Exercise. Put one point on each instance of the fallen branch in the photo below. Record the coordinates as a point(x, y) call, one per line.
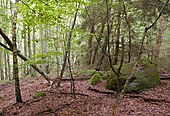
point(75, 94)
point(146, 99)
point(165, 78)
point(77, 79)
point(50, 110)
point(98, 91)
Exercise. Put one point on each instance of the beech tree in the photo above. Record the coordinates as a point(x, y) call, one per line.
point(15, 59)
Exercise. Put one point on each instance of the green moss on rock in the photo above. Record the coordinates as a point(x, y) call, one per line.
point(95, 78)
point(146, 76)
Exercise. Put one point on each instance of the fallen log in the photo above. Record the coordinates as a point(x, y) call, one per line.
point(165, 78)
point(103, 92)
point(148, 99)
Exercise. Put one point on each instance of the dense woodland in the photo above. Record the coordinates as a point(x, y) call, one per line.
point(54, 39)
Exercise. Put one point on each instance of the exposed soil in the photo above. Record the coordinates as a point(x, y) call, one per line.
point(90, 100)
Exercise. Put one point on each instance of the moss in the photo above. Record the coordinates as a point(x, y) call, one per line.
point(95, 79)
point(146, 76)
point(111, 82)
point(39, 94)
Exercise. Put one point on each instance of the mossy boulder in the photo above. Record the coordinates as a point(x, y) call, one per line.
point(97, 77)
point(146, 76)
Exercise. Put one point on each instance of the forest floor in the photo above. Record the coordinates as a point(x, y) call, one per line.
point(90, 100)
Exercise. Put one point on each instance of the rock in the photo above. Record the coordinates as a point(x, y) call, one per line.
point(95, 78)
point(146, 76)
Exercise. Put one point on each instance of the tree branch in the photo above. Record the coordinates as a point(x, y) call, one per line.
point(21, 56)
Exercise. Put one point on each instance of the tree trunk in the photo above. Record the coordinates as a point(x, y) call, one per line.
point(15, 60)
point(90, 41)
point(1, 67)
point(159, 38)
point(44, 48)
point(99, 40)
point(25, 47)
point(117, 38)
point(29, 47)
point(9, 66)
point(34, 47)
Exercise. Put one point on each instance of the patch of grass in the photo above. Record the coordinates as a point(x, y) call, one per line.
point(39, 94)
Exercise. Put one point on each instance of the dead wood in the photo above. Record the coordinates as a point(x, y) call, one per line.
point(50, 110)
point(148, 99)
point(98, 91)
point(165, 78)
point(75, 94)
point(78, 79)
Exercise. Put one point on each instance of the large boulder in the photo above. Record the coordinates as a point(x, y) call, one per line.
point(146, 76)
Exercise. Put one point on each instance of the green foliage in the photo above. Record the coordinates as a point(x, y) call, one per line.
point(87, 72)
point(39, 94)
point(95, 78)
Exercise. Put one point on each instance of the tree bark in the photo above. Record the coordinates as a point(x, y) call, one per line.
point(90, 47)
point(15, 60)
point(117, 37)
point(29, 47)
point(34, 46)
point(25, 47)
point(99, 40)
point(159, 38)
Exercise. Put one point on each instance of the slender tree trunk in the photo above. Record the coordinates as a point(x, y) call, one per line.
point(117, 37)
point(25, 47)
point(159, 38)
point(1, 67)
point(128, 22)
point(104, 47)
point(29, 47)
point(67, 56)
point(15, 60)
point(34, 47)
point(99, 40)
point(90, 41)
point(9, 67)
point(5, 59)
point(44, 48)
